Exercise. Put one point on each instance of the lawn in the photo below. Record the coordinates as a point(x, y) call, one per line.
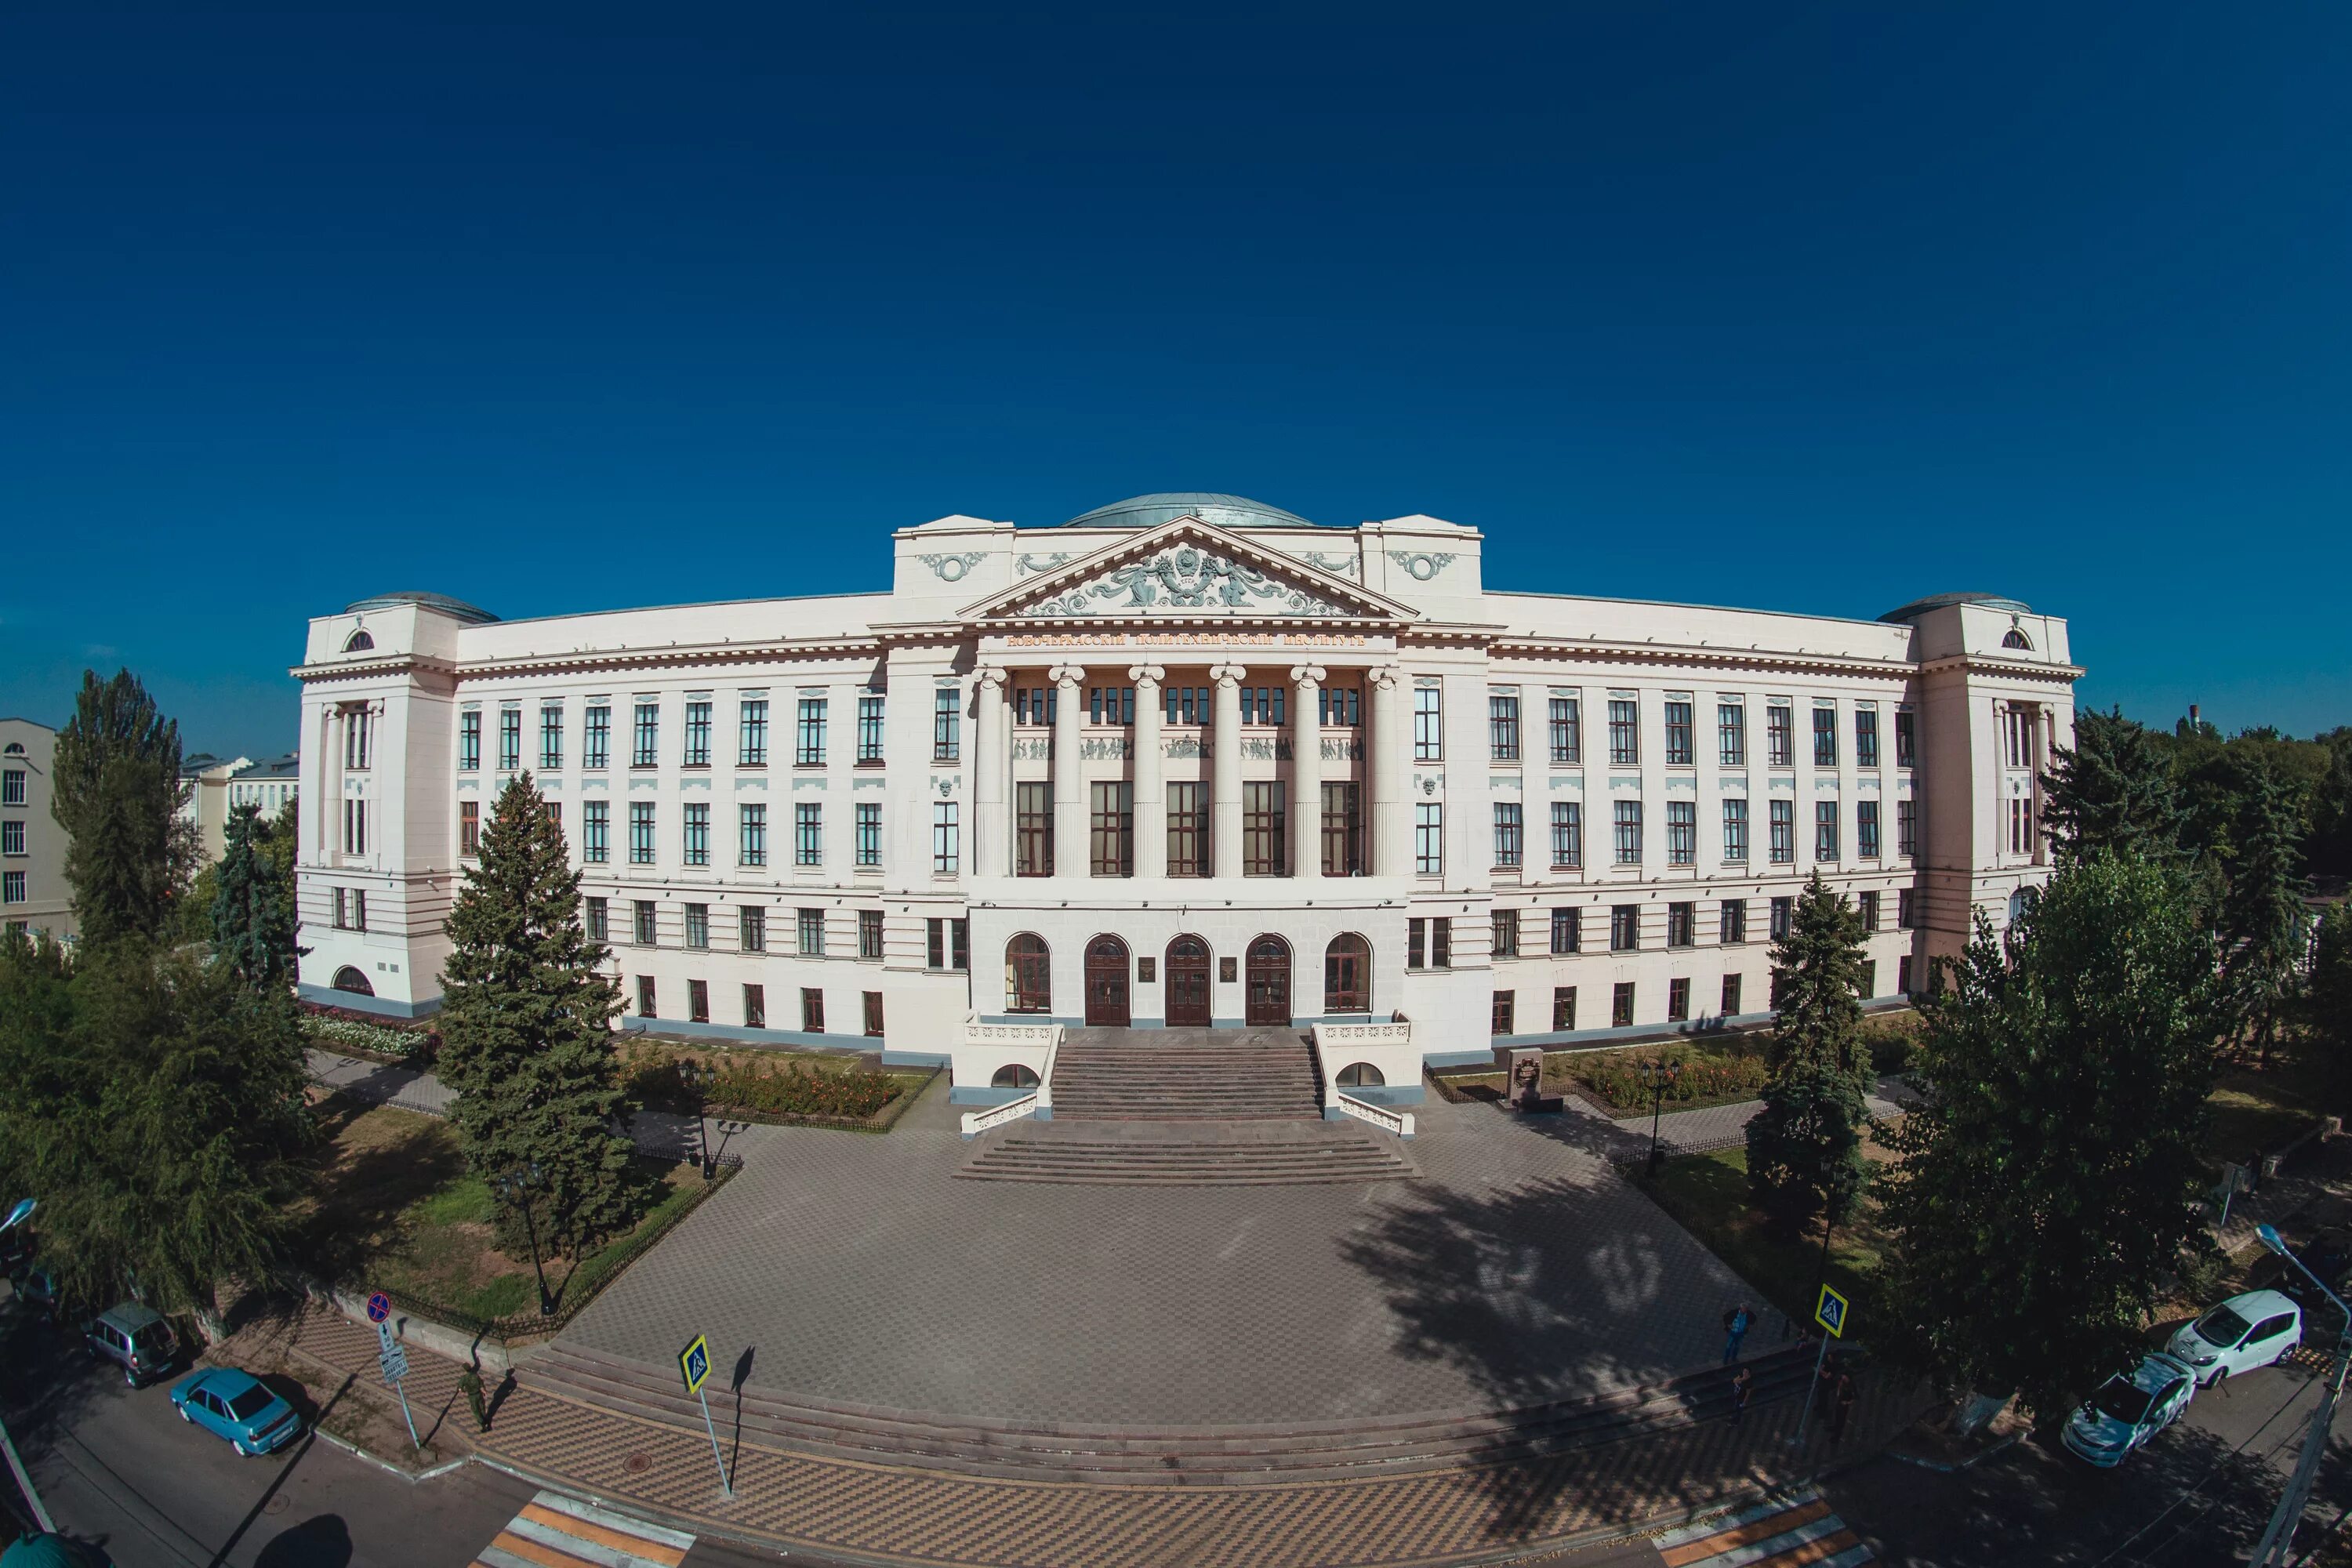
point(396, 1209)
point(2256, 1110)
point(1708, 1195)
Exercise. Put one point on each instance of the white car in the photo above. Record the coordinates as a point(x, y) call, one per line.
point(2241, 1335)
point(2127, 1411)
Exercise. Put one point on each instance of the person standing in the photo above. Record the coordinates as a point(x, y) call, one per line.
point(1735, 1329)
point(1842, 1408)
point(1743, 1384)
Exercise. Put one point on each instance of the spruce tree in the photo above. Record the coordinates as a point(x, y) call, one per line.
point(1804, 1147)
point(526, 1031)
point(252, 930)
point(2263, 922)
point(2047, 1185)
point(2327, 1009)
point(2113, 790)
point(117, 795)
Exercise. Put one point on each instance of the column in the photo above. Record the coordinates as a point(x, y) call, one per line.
point(992, 770)
point(1150, 793)
point(1069, 785)
point(1391, 744)
point(1225, 790)
point(1306, 773)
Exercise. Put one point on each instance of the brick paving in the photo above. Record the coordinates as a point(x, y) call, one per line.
point(1725, 1126)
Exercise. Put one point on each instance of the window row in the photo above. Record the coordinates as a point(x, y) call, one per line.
point(1429, 941)
point(697, 745)
point(1623, 1000)
point(1681, 833)
point(1264, 829)
point(1564, 730)
point(647, 998)
point(1189, 966)
point(751, 833)
point(947, 941)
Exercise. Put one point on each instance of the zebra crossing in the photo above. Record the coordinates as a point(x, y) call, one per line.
point(556, 1532)
point(1795, 1532)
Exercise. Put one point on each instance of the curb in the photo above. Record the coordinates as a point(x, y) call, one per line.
point(356, 1452)
point(1941, 1468)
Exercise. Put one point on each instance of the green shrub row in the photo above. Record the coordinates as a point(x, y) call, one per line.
point(786, 1089)
point(1617, 1077)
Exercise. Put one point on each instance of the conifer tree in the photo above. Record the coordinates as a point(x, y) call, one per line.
point(1804, 1147)
point(2113, 789)
point(526, 1031)
point(117, 795)
point(2327, 1008)
point(2263, 923)
point(252, 930)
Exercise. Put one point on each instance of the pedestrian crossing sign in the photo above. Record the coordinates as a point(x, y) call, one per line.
point(695, 1362)
point(1831, 1313)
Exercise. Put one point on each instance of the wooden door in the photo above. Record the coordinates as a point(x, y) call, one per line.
point(1267, 1002)
point(1188, 982)
point(1107, 983)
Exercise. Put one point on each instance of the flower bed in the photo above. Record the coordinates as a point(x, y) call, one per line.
point(1616, 1079)
point(779, 1089)
point(377, 1039)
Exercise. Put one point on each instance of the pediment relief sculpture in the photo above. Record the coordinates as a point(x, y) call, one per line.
point(1189, 577)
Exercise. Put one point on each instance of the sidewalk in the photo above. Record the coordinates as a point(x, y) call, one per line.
point(1725, 1126)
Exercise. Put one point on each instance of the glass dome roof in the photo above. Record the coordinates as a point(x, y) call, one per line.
point(458, 609)
point(1224, 511)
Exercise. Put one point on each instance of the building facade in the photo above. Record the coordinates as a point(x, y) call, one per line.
point(266, 785)
point(204, 801)
point(34, 896)
point(1186, 760)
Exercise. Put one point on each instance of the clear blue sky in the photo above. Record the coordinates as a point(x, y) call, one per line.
point(1813, 308)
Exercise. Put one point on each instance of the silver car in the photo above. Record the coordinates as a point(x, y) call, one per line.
point(2127, 1411)
point(2241, 1335)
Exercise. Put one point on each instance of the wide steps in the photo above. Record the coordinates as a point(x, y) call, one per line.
point(1188, 1076)
point(1076, 1452)
point(1126, 1163)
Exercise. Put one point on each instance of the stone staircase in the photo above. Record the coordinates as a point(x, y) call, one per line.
point(1083, 1452)
point(1188, 1155)
point(1185, 1075)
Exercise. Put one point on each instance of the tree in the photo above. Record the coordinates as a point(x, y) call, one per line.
point(117, 795)
point(2263, 919)
point(253, 926)
point(526, 1030)
point(2051, 1179)
point(2113, 790)
point(1804, 1147)
point(2327, 1008)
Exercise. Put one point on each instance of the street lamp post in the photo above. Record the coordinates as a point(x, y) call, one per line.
point(2278, 1540)
point(1660, 1076)
point(516, 1186)
point(698, 1077)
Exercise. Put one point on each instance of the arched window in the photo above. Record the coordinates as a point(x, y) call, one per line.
point(2017, 638)
point(1347, 974)
point(2021, 903)
point(16, 749)
point(1028, 975)
point(1012, 1075)
point(358, 642)
point(1360, 1075)
point(350, 979)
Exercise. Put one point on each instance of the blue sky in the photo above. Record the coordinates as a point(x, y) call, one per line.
point(1812, 308)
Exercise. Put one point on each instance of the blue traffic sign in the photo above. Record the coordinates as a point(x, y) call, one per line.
point(695, 1362)
point(1831, 1313)
point(379, 1307)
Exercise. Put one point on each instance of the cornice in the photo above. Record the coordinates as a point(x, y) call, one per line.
point(1699, 657)
point(368, 668)
point(2008, 669)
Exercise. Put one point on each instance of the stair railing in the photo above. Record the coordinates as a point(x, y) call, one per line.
point(1392, 1039)
point(1042, 1038)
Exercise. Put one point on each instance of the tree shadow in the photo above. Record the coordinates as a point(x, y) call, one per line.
point(322, 1540)
point(363, 1194)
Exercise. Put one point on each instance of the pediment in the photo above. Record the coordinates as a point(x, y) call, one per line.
point(1191, 570)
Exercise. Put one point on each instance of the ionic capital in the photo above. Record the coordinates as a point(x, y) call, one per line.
point(992, 678)
point(1306, 674)
point(1147, 676)
point(1386, 677)
point(1070, 675)
point(1229, 675)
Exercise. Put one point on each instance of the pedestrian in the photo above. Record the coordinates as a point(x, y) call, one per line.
point(470, 1383)
point(1743, 1383)
point(1843, 1410)
point(1735, 1329)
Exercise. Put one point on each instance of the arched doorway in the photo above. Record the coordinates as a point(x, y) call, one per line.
point(1347, 974)
point(1028, 975)
point(1107, 983)
point(1268, 998)
point(351, 979)
point(1188, 982)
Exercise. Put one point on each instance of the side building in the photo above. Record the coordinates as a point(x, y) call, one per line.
point(1187, 760)
point(34, 896)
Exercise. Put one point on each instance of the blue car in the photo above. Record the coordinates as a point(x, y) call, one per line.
point(233, 1404)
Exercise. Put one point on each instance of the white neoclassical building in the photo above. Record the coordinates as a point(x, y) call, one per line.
point(1185, 760)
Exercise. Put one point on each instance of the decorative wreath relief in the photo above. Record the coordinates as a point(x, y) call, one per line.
point(1420, 565)
point(1031, 566)
point(952, 568)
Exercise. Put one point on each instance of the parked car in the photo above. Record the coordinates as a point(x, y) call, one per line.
point(135, 1337)
point(2128, 1410)
point(2328, 1255)
point(236, 1405)
point(2241, 1335)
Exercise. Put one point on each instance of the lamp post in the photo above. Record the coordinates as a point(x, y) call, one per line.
point(698, 1077)
point(1660, 1076)
point(2278, 1540)
point(516, 1186)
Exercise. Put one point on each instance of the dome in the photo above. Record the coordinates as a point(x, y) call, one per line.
point(1225, 511)
point(441, 604)
point(1917, 608)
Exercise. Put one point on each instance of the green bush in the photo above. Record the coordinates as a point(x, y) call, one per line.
point(772, 1088)
point(1617, 1077)
point(1890, 1042)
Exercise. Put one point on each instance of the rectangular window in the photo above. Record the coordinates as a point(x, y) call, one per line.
point(1567, 930)
point(1905, 915)
point(1621, 1006)
point(947, 838)
point(809, 928)
point(1678, 1000)
point(946, 944)
point(554, 809)
point(509, 739)
point(812, 1010)
point(946, 724)
point(645, 751)
point(752, 927)
point(1507, 832)
point(1343, 828)
point(12, 888)
point(1826, 830)
point(1429, 838)
point(1866, 904)
point(1731, 922)
point(1681, 748)
point(1780, 735)
point(1429, 943)
point(355, 739)
point(1262, 829)
point(752, 733)
point(1110, 843)
point(697, 833)
point(1866, 737)
point(1499, 1019)
point(1682, 925)
point(1263, 704)
point(1624, 733)
point(1783, 820)
point(1866, 829)
point(355, 827)
point(1681, 833)
point(1416, 945)
point(1188, 830)
point(869, 934)
point(1428, 724)
point(698, 733)
point(342, 909)
point(698, 925)
point(869, 728)
point(2018, 728)
point(1032, 818)
point(867, 822)
point(1505, 923)
point(1903, 975)
point(1188, 705)
point(752, 826)
point(1563, 1009)
point(755, 1006)
point(1783, 909)
point(596, 736)
point(873, 1014)
point(641, 833)
point(12, 787)
point(1825, 737)
point(1340, 707)
point(808, 833)
point(808, 741)
point(550, 737)
point(1906, 828)
point(1735, 830)
point(469, 826)
point(1907, 739)
point(1110, 704)
point(1567, 731)
point(645, 1008)
point(2020, 826)
point(1035, 706)
point(1567, 834)
point(469, 741)
point(1503, 728)
point(1731, 733)
point(1868, 985)
point(1628, 815)
point(641, 922)
point(1731, 995)
point(1624, 928)
point(599, 920)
